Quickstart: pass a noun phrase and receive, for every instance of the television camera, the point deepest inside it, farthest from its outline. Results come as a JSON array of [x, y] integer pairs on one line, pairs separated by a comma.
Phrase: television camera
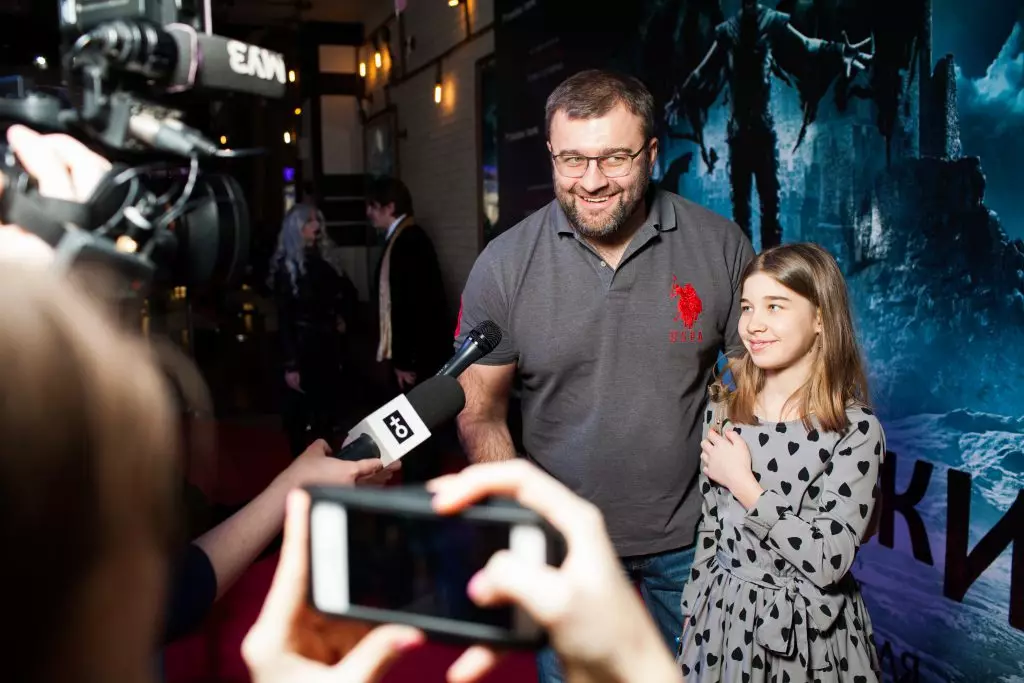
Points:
[[157, 215]]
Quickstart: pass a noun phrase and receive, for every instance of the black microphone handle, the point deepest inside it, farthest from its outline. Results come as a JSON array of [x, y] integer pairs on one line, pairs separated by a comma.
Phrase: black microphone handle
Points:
[[359, 449], [469, 353]]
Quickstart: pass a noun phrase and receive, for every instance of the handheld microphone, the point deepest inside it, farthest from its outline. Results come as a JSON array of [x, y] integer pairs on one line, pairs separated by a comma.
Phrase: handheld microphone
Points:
[[480, 341], [404, 422]]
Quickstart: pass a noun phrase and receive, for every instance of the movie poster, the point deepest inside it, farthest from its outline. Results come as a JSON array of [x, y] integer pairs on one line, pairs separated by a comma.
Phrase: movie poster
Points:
[[892, 133], [487, 94]]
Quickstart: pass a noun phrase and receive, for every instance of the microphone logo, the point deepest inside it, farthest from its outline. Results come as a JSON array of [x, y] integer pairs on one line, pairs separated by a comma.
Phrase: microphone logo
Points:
[[398, 427], [249, 60]]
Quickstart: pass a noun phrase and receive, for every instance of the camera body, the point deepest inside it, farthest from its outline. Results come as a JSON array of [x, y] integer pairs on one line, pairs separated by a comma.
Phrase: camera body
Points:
[[158, 215], [78, 16]]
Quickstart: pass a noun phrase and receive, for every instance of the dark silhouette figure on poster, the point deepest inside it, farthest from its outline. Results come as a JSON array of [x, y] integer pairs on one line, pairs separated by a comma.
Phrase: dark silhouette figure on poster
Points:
[[748, 49]]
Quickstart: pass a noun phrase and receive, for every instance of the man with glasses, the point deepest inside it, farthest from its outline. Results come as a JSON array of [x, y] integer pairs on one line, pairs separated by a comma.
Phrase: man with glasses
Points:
[[615, 301]]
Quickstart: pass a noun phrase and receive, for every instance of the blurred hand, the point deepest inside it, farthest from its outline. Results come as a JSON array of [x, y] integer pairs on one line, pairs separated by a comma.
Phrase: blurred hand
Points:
[[596, 622], [64, 169], [382, 477], [316, 466], [406, 380], [290, 642], [63, 166], [293, 380]]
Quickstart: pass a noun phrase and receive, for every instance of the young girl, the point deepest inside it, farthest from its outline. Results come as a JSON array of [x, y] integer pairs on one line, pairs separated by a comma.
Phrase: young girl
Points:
[[789, 488]]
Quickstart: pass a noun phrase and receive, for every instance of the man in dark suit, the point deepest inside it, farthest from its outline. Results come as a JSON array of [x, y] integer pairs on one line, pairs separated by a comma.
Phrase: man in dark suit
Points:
[[415, 335]]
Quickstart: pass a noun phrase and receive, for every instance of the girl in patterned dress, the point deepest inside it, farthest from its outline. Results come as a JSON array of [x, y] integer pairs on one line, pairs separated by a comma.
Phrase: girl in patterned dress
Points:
[[790, 463]]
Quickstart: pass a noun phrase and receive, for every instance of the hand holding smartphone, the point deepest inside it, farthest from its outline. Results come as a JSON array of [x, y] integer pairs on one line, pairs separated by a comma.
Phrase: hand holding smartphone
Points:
[[387, 556], [593, 615]]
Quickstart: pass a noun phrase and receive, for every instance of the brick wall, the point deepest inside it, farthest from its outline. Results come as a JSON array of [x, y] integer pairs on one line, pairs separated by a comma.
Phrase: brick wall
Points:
[[437, 151]]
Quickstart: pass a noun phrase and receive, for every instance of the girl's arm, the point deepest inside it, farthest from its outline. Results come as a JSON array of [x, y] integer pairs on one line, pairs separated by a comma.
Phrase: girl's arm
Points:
[[823, 549]]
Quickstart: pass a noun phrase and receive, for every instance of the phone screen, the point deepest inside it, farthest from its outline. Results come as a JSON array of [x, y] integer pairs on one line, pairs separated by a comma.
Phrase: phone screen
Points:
[[422, 565]]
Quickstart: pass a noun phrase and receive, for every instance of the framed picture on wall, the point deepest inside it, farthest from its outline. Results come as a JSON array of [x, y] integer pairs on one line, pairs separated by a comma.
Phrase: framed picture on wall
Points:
[[487, 148], [380, 143]]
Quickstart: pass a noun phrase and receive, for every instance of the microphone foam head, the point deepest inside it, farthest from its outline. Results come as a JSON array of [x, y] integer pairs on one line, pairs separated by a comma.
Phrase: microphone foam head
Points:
[[437, 400], [489, 335]]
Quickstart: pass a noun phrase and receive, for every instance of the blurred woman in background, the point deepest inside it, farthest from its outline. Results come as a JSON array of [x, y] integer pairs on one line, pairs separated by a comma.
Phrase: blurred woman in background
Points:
[[315, 306]]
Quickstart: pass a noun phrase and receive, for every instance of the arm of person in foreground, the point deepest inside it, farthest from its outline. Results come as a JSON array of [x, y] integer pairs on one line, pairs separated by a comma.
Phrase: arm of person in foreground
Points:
[[235, 543]]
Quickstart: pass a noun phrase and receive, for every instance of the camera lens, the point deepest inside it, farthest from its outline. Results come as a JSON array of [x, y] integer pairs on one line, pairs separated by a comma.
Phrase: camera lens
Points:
[[213, 235]]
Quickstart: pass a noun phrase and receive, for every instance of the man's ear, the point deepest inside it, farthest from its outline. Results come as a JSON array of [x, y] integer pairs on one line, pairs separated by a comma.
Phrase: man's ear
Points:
[[652, 150]]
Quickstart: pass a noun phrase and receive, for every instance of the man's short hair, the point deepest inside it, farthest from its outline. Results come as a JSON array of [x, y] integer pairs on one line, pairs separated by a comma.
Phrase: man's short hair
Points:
[[595, 92], [385, 190]]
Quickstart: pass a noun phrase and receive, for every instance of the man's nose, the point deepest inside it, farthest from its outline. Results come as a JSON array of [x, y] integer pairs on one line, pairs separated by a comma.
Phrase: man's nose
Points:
[[593, 180]]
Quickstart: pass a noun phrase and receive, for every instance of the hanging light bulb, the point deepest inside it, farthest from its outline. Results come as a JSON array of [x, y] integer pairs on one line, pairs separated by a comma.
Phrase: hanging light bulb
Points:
[[437, 92], [438, 84], [362, 69], [378, 60]]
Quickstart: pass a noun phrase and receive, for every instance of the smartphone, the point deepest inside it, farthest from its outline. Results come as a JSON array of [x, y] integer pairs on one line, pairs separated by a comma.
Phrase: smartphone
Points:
[[385, 556]]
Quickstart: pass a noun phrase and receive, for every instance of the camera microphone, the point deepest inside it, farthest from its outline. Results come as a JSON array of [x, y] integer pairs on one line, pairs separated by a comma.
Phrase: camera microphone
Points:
[[179, 58]]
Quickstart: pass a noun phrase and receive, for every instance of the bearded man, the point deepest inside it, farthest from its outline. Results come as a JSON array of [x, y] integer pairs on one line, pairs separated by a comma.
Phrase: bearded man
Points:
[[615, 301]]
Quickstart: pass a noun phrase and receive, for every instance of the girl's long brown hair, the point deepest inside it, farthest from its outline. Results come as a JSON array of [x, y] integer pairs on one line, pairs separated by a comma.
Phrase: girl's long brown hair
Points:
[[837, 376]]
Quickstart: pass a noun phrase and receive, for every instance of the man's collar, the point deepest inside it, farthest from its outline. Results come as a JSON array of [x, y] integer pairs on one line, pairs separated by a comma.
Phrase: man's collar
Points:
[[660, 216], [394, 224]]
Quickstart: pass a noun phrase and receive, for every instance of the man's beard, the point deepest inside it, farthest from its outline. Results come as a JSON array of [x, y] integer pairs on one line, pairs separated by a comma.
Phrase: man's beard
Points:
[[626, 204]]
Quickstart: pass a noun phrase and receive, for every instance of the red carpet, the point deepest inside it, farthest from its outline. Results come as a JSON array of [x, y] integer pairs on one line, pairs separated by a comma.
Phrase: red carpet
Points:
[[248, 458]]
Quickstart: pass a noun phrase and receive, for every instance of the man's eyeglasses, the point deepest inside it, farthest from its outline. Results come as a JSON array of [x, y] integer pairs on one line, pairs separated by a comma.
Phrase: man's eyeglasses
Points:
[[611, 165]]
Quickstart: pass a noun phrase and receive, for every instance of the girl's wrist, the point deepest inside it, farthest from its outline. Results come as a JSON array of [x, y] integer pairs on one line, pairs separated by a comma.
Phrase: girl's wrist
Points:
[[747, 491]]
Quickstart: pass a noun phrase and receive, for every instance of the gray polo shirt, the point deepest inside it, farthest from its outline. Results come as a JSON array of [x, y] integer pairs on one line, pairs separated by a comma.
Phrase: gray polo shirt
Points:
[[615, 362]]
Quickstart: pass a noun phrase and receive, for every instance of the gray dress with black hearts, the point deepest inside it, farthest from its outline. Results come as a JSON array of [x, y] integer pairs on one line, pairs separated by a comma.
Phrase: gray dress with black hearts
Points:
[[770, 597]]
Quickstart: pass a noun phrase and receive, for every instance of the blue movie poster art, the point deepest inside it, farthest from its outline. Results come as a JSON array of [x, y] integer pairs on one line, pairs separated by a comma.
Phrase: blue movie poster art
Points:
[[905, 171]]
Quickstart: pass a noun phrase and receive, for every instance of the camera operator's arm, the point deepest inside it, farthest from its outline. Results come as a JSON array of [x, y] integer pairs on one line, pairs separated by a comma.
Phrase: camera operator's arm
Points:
[[236, 542]]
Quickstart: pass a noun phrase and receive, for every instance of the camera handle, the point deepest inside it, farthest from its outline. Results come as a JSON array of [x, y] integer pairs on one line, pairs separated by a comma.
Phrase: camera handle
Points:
[[65, 225]]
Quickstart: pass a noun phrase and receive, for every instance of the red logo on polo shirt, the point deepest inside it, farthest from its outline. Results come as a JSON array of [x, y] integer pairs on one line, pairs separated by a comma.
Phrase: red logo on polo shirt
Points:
[[458, 323], [688, 310]]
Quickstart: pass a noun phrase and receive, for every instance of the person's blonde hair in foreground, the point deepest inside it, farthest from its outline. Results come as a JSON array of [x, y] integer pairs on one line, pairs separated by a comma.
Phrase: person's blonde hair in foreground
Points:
[[595, 619], [88, 484], [87, 451]]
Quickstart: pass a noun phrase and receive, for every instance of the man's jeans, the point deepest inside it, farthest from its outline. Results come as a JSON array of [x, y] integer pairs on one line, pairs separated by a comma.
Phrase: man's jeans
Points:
[[661, 578]]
